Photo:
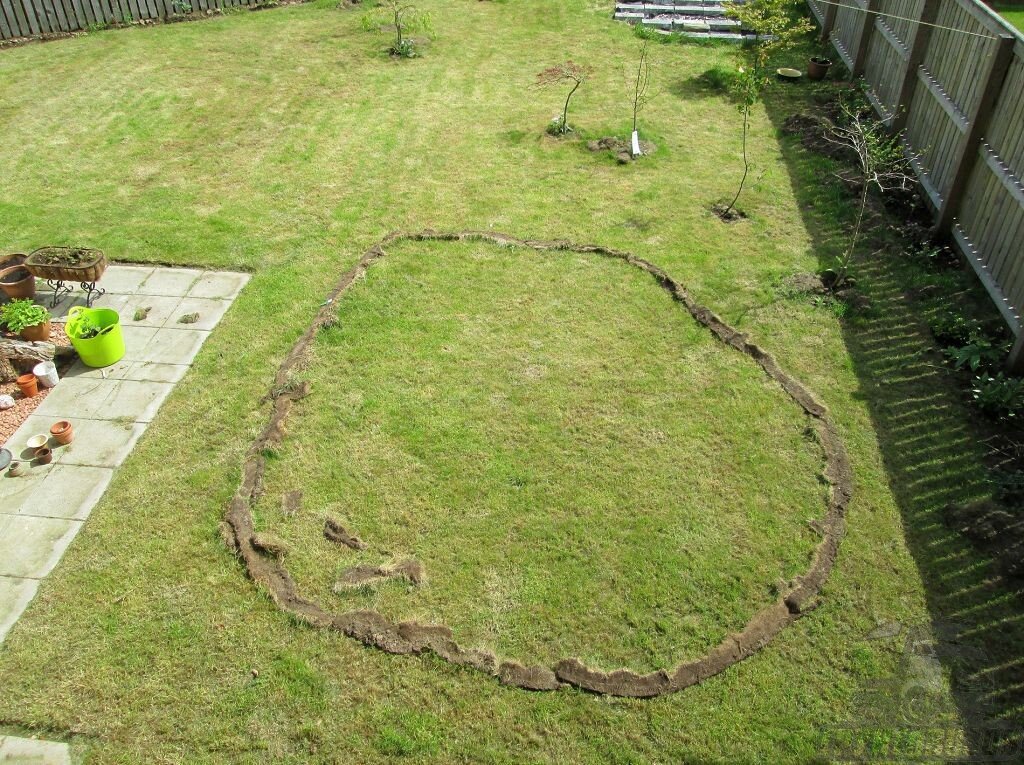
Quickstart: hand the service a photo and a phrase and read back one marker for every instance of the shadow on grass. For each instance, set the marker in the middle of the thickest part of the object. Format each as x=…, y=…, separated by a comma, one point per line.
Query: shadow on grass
x=933, y=456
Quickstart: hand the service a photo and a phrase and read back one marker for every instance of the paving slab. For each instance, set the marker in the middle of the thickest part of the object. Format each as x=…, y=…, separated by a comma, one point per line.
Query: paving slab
x=150, y=371
x=158, y=309
x=170, y=346
x=33, y=751
x=65, y=491
x=30, y=547
x=169, y=281
x=125, y=280
x=210, y=311
x=218, y=284
x=101, y=443
x=15, y=595
x=104, y=399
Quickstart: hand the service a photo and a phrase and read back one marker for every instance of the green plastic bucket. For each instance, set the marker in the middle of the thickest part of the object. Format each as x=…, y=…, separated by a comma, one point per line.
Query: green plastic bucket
x=106, y=346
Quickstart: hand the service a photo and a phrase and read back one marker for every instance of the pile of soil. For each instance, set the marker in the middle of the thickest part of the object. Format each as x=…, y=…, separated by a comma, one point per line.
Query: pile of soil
x=727, y=213
x=622, y=149
x=60, y=256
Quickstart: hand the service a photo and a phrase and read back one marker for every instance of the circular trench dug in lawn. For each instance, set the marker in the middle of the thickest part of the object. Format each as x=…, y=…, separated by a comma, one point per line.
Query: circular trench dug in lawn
x=541, y=460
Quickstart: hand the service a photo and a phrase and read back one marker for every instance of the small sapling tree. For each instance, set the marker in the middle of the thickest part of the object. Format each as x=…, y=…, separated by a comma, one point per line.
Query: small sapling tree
x=880, y=163
x=570, y=74
x=641, y=93
x=777, y=26
x=400, y=18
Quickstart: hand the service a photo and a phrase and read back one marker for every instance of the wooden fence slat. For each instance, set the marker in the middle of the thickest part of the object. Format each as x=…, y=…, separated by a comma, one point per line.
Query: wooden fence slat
x=992, y=83
x=5, y=27
x=30, y=16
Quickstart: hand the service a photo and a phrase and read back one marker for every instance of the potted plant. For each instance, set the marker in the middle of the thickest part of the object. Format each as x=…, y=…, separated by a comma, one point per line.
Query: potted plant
x=817, y=67
x=26, y=318
x=16, y=280
x=69, y=264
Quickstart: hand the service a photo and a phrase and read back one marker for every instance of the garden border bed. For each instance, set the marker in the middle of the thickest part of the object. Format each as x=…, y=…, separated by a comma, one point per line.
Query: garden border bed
x=265, y=567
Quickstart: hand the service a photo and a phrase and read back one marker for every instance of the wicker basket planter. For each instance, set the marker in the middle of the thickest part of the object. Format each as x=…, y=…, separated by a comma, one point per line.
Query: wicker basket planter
x=67, y=264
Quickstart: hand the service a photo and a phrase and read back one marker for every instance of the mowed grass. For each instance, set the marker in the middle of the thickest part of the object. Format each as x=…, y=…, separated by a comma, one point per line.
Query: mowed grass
x=579, y=465
x=1013, y=14
x=285, y=143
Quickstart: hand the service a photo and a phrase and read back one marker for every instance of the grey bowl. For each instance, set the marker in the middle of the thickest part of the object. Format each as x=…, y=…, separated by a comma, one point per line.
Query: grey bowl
x=5, y=459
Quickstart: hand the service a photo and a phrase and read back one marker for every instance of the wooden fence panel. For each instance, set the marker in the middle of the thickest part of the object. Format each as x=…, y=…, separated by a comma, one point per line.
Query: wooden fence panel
x=949, y=76
x=846, y=30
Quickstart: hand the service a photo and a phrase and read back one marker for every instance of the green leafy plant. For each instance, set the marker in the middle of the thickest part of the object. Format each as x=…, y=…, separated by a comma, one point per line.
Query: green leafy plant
x=1008, y=486
x=979, y=352
x=998, y=396
x=19, y=314
x=567, y=72
x=777, y=28
x=954, y=329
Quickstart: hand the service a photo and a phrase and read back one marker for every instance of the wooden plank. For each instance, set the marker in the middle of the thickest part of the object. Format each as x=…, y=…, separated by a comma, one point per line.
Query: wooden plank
x=861, y=54
x=6, y=31
x=829, y=22
x=62, y=19
x=918, y=46
x=998, y=66
x=890, y=37
x=97, y=12
x=837, y=43
x=1010, y=182
x=1010, y=314
x=932, y=194
x=76, y=7
x=30, y=16
x=940, y=95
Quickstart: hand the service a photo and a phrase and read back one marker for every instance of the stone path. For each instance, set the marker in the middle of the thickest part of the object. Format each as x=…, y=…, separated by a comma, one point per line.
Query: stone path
x=42, y=511
x=31, y=751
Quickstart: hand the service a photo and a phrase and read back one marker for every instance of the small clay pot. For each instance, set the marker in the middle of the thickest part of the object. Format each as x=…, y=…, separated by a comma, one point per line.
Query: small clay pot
x=818, y=67
x=44, y=456
x=17, y=282
x=28, y=384
x=37, y=332
x=63, y=432
x=17, y=468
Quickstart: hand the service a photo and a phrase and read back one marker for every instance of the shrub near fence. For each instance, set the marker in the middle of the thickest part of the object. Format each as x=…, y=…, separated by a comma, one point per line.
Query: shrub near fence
x=950, y=75
x=39, y=18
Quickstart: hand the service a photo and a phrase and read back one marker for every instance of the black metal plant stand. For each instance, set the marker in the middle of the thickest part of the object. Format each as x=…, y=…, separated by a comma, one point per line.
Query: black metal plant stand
x=60, y=289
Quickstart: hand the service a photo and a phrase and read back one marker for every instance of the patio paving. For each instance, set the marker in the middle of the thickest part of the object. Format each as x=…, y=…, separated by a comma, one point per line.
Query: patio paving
x=42, y=511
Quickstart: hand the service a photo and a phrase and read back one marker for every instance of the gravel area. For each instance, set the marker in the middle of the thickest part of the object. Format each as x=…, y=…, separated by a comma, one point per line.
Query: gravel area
x=11, y=419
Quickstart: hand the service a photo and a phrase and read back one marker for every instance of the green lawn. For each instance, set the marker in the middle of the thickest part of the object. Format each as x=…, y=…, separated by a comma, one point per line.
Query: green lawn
x=525, y=425
x=1013, y=14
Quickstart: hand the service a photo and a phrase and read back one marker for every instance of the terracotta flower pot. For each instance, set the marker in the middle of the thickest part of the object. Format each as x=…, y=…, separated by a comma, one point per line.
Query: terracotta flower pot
x=63, y=432
x=29, y=386
x=44, y=456
x=38, y=332
x=16, y=282
x=817, y=68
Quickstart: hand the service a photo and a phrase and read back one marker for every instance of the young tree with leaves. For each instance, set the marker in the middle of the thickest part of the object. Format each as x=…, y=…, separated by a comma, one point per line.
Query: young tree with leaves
x=567, y=73
x=777, y=26
x=401, y=18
